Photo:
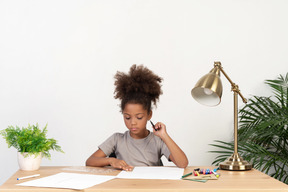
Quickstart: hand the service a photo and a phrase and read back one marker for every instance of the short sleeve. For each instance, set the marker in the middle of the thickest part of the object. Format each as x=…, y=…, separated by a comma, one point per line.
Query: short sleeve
x=165, y=151
x=109, y=145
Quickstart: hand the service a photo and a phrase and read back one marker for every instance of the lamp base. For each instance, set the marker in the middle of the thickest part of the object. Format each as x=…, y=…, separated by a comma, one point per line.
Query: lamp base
x=235, y=163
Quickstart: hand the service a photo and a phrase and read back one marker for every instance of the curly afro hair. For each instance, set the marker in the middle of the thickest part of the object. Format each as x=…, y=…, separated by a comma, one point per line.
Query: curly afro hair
x=139, y=86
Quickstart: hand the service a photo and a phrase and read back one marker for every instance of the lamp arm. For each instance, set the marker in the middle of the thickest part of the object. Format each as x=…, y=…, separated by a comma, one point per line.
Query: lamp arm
x=234, y=87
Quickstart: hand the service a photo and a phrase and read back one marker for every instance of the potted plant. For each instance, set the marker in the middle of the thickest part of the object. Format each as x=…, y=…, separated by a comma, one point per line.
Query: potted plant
x=263, y=132
x=32, y=144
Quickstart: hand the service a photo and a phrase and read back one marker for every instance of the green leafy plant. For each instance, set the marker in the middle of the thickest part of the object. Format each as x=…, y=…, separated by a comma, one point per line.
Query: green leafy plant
x=31, y=140
x=263, y=132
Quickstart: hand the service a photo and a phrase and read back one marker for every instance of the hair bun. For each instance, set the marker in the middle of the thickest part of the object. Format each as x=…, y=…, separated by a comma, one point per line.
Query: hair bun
x=140, y=81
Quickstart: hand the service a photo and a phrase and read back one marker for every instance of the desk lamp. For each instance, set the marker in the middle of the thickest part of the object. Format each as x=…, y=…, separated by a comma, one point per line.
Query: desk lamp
x=208, y=91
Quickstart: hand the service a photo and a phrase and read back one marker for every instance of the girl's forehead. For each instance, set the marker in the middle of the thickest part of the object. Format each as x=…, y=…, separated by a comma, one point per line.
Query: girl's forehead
x=132, y=108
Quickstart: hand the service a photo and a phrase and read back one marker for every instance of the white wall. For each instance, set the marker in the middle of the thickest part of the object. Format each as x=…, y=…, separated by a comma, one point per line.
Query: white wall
x=58, y=59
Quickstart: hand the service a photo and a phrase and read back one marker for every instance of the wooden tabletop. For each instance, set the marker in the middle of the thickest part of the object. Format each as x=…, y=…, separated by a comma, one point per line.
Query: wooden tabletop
x=229, y=181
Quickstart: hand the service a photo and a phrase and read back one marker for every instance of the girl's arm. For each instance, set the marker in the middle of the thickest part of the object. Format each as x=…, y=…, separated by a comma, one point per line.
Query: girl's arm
x=99, y=159
x=176, y=154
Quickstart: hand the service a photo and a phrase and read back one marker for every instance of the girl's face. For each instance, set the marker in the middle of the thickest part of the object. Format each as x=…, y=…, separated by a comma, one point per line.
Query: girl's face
x=135, y=118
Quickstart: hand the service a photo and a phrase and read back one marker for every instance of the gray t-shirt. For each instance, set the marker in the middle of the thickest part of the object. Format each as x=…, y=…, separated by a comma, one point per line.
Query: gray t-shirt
x=136, y=152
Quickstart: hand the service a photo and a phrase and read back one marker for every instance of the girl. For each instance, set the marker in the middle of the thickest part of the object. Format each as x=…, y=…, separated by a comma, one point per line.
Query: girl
x=137, y=90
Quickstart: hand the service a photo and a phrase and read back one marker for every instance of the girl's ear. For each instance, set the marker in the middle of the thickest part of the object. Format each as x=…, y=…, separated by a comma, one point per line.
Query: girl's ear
x=150, y=115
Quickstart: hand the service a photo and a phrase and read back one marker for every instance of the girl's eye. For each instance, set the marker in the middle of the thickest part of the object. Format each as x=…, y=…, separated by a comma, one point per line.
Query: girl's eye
x=127, y=118
x=139, y=118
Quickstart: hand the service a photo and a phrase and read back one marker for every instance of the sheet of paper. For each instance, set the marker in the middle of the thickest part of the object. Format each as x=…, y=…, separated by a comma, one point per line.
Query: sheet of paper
x=174, y=173
x=68, y=180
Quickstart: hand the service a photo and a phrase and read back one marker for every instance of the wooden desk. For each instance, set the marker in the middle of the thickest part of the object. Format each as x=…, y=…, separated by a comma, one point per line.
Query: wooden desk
x=229, y=181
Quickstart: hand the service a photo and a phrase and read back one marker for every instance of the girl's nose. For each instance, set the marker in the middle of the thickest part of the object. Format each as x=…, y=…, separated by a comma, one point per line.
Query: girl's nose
x=133, y=121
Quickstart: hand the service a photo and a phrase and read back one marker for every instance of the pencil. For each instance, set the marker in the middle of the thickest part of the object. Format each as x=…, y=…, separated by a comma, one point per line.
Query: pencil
x=187, y=175
x=153, y=126
x=28, y=177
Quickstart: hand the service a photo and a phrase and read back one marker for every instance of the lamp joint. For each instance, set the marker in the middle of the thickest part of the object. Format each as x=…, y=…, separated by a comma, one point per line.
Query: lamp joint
x=235, y=88
x=217, y=64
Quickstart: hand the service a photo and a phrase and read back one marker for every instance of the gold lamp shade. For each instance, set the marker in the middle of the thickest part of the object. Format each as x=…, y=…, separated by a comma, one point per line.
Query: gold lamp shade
x=208, y=90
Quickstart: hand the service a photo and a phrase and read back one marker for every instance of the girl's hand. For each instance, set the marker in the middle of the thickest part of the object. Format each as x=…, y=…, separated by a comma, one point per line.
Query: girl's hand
x=120, y=164
x=161, y=129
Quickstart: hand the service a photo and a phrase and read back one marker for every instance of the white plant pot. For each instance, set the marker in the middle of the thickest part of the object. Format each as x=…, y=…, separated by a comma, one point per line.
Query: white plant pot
x=29, y=163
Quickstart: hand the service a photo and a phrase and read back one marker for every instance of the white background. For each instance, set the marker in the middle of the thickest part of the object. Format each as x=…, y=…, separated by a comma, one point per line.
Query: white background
x=58, y=59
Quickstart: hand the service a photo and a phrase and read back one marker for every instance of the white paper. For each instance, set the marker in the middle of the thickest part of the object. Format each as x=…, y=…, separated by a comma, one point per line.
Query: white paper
x=68, y=180
x=174, y=173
